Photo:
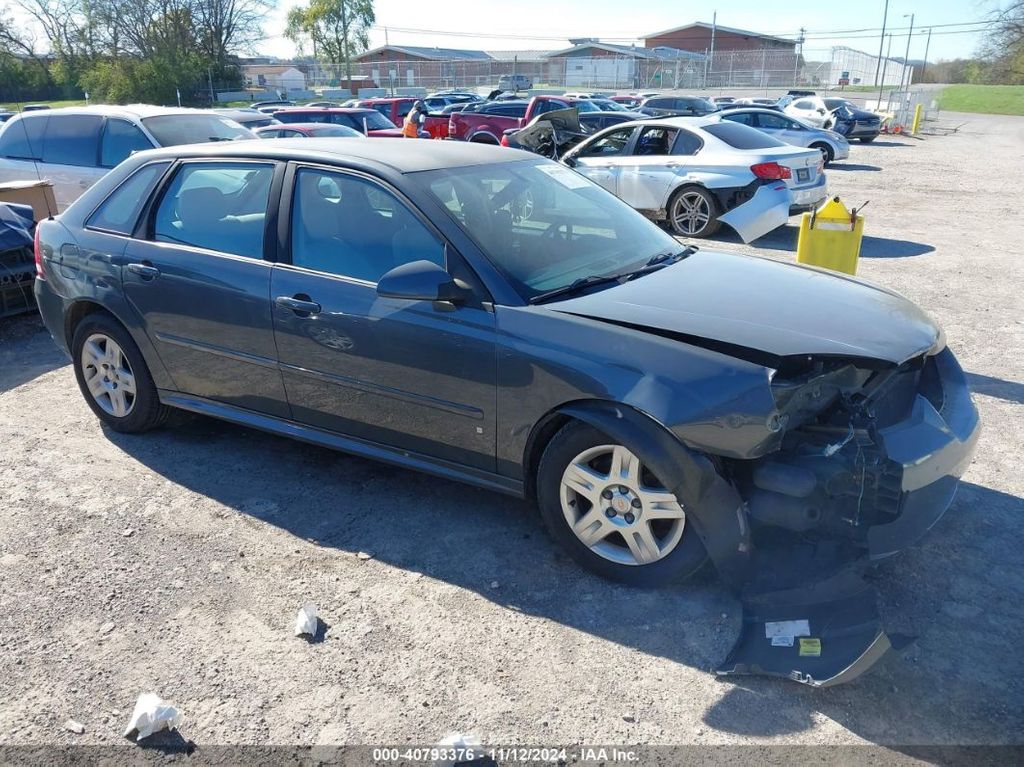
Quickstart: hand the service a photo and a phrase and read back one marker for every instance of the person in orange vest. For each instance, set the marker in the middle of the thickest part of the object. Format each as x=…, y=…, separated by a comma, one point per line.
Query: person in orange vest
x=413, y=120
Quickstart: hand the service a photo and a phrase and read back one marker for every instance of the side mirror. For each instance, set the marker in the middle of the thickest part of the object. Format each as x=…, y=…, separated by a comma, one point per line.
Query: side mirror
x=569, y=161
x=420, y=281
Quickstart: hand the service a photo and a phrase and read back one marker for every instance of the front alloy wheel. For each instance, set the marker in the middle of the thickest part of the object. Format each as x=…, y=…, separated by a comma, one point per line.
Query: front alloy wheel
x=618, y=509
x=611, y=513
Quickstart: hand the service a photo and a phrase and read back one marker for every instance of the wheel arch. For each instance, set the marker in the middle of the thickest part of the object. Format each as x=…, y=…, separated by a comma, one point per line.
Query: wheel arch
x=82, y=308
x=483, y=137
x=711, y=501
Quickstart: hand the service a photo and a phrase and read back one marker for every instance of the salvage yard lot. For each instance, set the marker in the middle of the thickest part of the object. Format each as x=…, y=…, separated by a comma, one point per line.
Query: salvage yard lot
x=174, y=562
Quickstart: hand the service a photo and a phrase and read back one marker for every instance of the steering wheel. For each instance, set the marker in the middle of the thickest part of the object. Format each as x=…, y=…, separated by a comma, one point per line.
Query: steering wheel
x=554, y=231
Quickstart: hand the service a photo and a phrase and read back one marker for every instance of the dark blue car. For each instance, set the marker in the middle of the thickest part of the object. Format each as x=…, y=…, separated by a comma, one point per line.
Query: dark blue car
x=489, y=316
x=854, y=122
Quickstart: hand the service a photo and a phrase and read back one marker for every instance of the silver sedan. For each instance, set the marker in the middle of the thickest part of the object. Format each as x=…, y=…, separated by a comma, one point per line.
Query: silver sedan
x=832, y=145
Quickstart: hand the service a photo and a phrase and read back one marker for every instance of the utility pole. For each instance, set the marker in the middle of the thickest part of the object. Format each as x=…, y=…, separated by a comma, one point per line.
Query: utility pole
x=344, y=31
x=880, y=87
x=881, y=44
x=711, y=60
x=927, y=45
x=907, y=70
x=209, y=77
x=796, y=64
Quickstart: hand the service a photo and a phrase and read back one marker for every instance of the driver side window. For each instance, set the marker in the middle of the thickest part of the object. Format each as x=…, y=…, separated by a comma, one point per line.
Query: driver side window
x=351, y=227
x=610, y=145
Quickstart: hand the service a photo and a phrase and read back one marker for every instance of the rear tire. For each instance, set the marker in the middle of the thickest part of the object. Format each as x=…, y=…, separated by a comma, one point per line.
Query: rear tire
x=646, y=542
x=693, y=212
x=113, y=376
x=868, y=139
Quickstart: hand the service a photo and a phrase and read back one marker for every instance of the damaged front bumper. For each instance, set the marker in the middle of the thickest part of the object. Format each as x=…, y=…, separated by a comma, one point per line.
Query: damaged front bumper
x=822, y=511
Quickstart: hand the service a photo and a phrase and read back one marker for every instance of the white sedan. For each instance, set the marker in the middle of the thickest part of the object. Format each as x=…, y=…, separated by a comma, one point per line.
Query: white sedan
x=696, y=173
x=810, y=109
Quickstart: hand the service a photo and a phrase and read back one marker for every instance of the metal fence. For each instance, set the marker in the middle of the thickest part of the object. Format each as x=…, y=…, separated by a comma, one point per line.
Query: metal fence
x=760, y=69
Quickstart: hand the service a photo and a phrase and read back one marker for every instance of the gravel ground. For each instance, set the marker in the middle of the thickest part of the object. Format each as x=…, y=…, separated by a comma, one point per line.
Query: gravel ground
x=175, y=562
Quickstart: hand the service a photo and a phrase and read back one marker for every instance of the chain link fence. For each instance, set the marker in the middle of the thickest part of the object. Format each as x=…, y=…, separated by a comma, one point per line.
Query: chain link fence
x=761, y=69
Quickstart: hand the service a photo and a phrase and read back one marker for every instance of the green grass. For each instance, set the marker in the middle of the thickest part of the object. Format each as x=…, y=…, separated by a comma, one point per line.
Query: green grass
x=52, y=104
x=985, y=99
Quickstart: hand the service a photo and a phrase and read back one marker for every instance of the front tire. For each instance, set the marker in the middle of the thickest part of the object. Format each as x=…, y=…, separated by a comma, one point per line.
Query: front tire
x=113, y=376
x=693, y=212
x=826, y=152
x=611, y=513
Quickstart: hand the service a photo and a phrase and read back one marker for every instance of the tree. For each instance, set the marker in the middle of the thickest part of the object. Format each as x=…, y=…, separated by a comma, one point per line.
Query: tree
x=1004, y=49
x=338, y=29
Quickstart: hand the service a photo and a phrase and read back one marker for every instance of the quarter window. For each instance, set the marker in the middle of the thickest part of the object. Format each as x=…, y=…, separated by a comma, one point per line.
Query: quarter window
x=351, y=227
x=120, y=139
x=119, y=212
x=72, y=140
x=23, y=138
x=217, y=206
x=687, y=143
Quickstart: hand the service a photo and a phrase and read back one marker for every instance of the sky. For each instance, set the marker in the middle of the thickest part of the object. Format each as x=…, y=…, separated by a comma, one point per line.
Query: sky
x=548, y=24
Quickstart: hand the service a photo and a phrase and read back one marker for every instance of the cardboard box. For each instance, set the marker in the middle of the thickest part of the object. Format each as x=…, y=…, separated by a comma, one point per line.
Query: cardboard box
x=38, y=194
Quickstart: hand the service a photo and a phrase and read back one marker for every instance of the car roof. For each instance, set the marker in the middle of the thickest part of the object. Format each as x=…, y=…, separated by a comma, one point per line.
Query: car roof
x=139, y=111
x=401, y=156
x=328, y=110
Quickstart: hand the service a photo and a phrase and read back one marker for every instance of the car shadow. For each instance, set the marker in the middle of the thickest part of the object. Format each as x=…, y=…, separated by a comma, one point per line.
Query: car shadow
x=26, y=351
x=959, y=591
x=785, y=239
x=851, y=166
x=876, y=142
x=1011, y=391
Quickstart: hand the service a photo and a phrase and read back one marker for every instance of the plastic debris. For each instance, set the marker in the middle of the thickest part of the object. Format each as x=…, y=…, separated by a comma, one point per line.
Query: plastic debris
x=306, y=621
x=466, y=748
x=152, y=714
x=364, y=555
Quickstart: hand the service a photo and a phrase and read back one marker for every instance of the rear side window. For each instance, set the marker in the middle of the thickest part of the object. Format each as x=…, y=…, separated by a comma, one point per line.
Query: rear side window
x=508, y=110
x=741, y=137
x=22, y=139
x=660, y=103
x=216, y=206
x=687, y=143
x=72, y=140
x=120, y=139
x=119, y=212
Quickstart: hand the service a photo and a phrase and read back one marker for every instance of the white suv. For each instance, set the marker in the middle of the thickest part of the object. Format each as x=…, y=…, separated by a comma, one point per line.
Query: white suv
x=75, y=146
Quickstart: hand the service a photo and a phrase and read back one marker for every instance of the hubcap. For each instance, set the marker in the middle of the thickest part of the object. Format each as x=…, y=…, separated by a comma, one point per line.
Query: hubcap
x=108, y=375
x=618, y=508
x=691, y=213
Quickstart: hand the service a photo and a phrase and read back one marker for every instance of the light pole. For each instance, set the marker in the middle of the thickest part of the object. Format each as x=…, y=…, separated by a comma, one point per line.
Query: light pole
x=881, y=43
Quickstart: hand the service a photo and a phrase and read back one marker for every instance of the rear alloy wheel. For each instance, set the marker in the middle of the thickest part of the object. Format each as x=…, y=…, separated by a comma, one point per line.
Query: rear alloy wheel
x=693, y=212
x=612, y=514
x=826, y=152
x=113, y=376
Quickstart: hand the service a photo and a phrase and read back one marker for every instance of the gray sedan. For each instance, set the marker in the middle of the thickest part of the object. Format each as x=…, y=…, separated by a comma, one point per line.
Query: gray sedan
x=832, y=145
x=405, y=301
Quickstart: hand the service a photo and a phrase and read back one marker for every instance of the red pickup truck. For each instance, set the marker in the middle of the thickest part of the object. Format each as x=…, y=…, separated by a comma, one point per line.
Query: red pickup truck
x=397, y=107
x=487, y=123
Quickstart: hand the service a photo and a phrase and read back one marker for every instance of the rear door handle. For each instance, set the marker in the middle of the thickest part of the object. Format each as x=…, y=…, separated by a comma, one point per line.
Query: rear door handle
x=302, y=306
x=144, y=270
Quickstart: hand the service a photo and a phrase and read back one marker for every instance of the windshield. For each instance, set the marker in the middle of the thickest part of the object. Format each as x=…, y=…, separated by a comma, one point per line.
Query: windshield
x=544, y=225
x=607, y=105
x=172, y=130
x=585, y=105
x=322, y=131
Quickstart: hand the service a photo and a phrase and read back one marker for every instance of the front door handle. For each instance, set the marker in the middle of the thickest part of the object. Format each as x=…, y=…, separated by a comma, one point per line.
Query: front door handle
x=300, y=304
x=144, y=270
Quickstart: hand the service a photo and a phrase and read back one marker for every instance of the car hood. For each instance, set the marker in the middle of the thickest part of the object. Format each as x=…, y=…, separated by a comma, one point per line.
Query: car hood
x=857, y=114
x=762, y=310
